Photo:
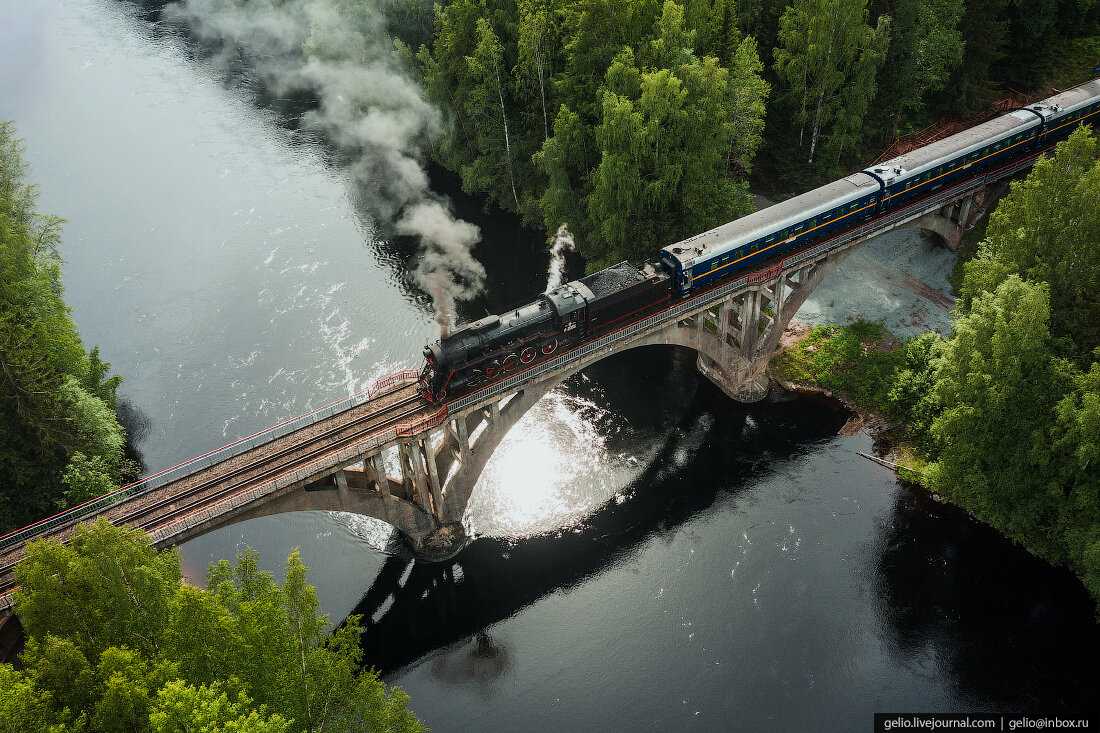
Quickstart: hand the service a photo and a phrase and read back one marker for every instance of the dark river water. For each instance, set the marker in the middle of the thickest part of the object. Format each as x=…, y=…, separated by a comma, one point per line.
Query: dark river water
x=650, y=555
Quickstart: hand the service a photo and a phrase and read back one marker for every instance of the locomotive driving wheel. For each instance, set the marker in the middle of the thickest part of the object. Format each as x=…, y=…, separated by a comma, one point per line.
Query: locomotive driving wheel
x=509, y=363
x=549, y=347
x=527, y=355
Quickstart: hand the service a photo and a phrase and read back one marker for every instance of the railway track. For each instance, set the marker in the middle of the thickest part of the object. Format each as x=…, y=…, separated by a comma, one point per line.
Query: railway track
x=191, y=492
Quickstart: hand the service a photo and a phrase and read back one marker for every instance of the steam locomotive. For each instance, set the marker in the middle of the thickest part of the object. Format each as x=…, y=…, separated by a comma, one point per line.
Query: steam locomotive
x=487, y=350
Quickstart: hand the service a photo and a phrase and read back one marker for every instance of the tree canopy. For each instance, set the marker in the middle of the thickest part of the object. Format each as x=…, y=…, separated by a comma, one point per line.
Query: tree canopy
x=60, y=440
x=146, y=653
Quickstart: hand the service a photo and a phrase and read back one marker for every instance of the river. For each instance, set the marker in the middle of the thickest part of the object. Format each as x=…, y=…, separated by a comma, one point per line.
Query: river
x=650, y=556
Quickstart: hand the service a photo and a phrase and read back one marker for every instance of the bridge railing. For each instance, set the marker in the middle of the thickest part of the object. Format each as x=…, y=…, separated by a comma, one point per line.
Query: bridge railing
x=206, y=460
x=912, y=211
x=343, y=456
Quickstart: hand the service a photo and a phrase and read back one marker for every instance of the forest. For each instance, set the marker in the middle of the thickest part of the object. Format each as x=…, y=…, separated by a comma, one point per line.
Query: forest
x=639, y=122
x=60, y=440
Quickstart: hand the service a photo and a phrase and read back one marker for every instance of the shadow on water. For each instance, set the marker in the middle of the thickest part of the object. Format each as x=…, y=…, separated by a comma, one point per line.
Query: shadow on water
x=413, y=609
x=1007, y=628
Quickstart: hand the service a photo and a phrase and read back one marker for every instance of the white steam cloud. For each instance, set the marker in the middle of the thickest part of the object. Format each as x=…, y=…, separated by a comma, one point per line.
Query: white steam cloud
x=563, y=242
x=367, y=107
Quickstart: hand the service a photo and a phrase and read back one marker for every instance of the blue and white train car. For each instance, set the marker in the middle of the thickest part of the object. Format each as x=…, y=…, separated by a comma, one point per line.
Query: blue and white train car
x=983, y=147
x=804, y=219
x=714, y=254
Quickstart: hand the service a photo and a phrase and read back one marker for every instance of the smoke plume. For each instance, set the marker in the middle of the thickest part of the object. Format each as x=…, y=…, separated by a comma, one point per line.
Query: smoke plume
x=340, y=53
x=563, y=242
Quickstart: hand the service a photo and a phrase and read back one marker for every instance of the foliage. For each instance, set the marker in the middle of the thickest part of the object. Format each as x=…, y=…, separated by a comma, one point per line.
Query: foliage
x=827, y=59
x=857, y=360
x=633, y=122
x=1045, y=230
x=56, y=400
x=998, y=382
x=927, y=46
x=245, y=655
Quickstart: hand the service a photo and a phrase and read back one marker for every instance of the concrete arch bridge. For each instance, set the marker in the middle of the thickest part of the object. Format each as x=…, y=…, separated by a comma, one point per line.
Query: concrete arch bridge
x=335, y=458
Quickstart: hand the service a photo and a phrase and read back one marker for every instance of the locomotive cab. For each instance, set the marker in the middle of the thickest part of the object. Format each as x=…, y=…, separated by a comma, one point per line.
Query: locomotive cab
x=433, y=373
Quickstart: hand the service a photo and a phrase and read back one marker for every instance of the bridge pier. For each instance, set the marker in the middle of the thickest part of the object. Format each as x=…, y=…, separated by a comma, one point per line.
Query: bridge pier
x=737, y=338
x=956, y=218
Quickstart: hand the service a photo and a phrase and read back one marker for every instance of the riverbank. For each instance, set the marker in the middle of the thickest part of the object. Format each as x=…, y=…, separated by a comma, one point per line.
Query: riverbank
x=885, y=432
x=867, y=370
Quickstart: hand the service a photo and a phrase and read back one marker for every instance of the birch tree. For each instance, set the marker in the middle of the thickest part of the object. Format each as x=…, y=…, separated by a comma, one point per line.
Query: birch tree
x=536, y=44
x=485, y=106
x=826, y=59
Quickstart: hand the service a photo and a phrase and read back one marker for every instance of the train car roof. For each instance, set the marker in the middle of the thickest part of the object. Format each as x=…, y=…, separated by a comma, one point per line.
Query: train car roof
x=1005, y=125
x=1071, y=99
x=961, y=143
x=774, y=218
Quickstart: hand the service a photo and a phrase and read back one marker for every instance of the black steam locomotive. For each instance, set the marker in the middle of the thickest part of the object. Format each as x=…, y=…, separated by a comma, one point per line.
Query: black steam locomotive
x=485, y=350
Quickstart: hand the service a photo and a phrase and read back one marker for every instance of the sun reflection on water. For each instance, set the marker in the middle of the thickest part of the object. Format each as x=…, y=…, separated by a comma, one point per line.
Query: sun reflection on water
x=552, y=470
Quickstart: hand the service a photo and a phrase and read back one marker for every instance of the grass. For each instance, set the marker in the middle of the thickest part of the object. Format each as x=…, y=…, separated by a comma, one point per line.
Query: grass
x=859, y=360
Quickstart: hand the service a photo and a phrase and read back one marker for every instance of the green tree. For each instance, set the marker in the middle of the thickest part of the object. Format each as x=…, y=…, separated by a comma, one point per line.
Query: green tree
x=146, y=653
x=999, y=383
x=827, y=59
x=565, y=160
x=23, y=709
x=1045, y=230
x=121, y=584
x=537, y=51
x=485, y=107
x=56, y=400
x=984, y=28
x=747, y=104
x=925, y=50
x=665, y=138
x=595, y=33
x=182, y=708
x=1077, y=452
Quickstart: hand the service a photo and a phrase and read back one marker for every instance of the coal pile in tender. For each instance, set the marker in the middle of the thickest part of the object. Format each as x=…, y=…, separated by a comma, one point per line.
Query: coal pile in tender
x=613, y=279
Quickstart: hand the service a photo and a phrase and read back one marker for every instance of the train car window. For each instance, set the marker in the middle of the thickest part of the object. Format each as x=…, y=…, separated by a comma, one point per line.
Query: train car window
x=826, y=217
x=769, y=240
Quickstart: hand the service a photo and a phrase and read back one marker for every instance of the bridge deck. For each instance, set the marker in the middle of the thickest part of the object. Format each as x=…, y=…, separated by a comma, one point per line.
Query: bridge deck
x=158, y=506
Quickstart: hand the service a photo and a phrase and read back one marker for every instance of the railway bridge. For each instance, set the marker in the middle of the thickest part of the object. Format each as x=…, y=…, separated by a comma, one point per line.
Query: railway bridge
x=341, y=457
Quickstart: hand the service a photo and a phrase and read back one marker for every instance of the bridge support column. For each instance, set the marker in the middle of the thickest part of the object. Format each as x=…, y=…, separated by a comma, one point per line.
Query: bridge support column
x=342, y=486
x=412, y=474
x=375, y=472
x=953, y=221
x=734, y=350
x=428, y=456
